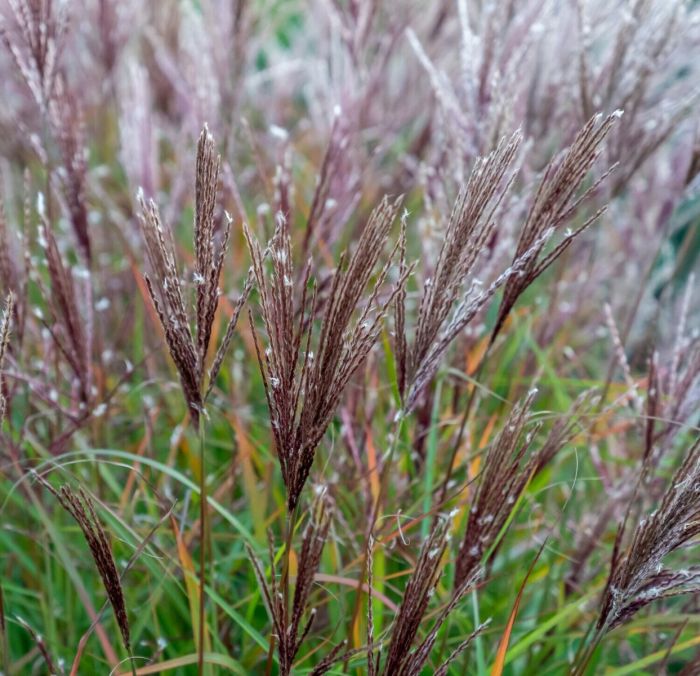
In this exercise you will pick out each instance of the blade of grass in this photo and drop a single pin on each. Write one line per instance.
(190, 575)
(557, 620)
(499, 662)
(646, 661)
(216, 659)
(95, 453)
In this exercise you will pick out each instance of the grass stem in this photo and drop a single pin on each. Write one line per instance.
(203, 545)
(4, 643)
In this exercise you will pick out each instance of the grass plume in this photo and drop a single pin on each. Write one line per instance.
(303, 386)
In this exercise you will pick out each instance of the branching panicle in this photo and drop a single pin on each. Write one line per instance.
(66, 119)
(303, 387)
(403, 659)
(36, 42)
(81, 507)
(188, 351)
(69, 330)
(468, 230)
(555, 203)
(505, 473)
(638, 575)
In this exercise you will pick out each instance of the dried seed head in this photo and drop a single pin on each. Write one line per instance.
(303, 387)
(402, 657)
(81, 507)
(189, 352)
(503, 478)
(36, 44)
(66, 119)
(555, 202)
(68, 328)
(469, 228)
(638, 576)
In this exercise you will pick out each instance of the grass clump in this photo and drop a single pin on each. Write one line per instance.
(458, 432)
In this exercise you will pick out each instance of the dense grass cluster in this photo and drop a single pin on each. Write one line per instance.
(349, 336)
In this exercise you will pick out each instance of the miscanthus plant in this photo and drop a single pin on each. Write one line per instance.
(457, 430)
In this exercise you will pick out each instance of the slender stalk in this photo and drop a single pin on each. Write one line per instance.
(270, 655)
(462, 427)
(5, 644)
(384, 478)
(374, 516)
(585, 652)
(629, 321)
(131, 662)
(480, 660)
(289, 536)
(203, 544)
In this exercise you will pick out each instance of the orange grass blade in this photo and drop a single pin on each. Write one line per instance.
(499, 662)
(191, 583)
